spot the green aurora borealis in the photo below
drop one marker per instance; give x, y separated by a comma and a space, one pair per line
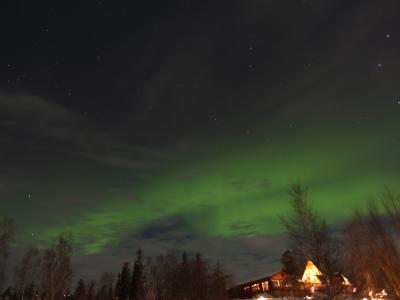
238, 187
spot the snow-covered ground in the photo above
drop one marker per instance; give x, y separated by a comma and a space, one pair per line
315, 297
272, 298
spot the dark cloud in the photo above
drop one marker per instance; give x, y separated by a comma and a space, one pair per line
245, 257
46, 124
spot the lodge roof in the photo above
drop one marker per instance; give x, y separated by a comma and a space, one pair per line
275, 276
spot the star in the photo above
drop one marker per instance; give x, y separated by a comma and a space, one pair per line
380, 65
388, 35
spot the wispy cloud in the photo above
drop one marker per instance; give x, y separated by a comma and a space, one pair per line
245, 257
37, 119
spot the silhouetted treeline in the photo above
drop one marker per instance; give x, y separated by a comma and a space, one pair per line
168, 277
163, 278
47, 275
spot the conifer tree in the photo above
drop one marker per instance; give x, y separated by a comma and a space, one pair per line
30, 292
80, 291
6, 235
199, 277
183, 290
110, 293
137, 291
91, 290
219, 283
125, 282
118, 286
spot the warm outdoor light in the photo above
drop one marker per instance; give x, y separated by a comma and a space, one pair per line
310, 275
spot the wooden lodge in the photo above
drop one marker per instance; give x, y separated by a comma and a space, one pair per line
275, 285
278, 285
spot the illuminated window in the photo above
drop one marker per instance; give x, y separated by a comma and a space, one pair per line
265, 286
255, 287
276, 282
247, 289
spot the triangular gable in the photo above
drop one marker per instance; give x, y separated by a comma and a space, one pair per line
311, 274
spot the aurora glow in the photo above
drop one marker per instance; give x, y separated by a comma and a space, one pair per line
241, 188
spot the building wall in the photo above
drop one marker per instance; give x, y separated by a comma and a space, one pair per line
271, 285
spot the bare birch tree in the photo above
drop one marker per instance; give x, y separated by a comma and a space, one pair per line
372, 250
6, 235
391, 203
56, 269
28, 271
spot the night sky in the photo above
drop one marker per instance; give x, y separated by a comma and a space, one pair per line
177, 125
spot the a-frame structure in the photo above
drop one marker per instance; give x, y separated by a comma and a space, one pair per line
311, 276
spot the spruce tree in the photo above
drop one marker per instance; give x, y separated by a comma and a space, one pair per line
110, 293
118, 286
91, 290
183, 290
200, 278
218, 286
80, 291
137, 291
30, 292
125, 282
